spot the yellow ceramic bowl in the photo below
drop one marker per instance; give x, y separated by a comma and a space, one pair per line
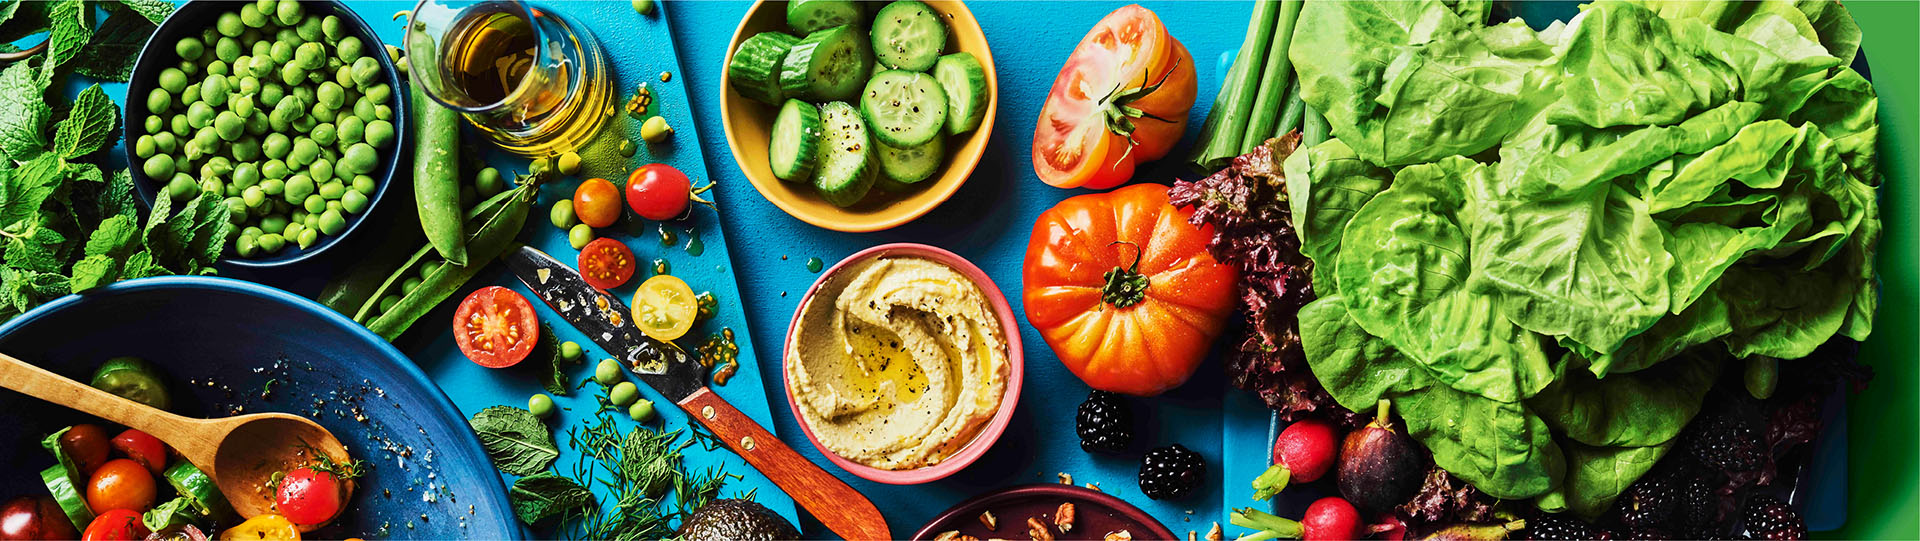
747, 123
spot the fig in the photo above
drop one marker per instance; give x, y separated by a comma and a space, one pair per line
1380, 466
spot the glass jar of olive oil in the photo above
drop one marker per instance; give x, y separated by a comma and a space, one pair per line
531, 80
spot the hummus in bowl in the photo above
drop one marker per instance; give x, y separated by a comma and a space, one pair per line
902, 363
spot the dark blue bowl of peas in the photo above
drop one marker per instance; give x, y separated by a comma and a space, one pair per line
288, 112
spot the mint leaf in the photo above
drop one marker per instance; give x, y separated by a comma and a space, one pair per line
140, 265
113, 237
118, 199
72, 29
91, 272
87, 126
115, 46
536, 497
23, 114
25, 289
23, 191
34, 247
516, 440
208, 236
546, 354
154, 11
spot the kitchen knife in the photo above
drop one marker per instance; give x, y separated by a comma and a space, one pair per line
677, 375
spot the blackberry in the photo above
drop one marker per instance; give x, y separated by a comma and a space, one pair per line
1171, 472
1697, 509
1727, 443
1649, 534
1559, 527
1769, 518
1104, 422
1646, 504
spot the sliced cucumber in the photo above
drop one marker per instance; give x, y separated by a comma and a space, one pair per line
794, 141
912, 164
67, 492
904, 108
754, 69
908, 35
829, 65
195, 485
844, 171
965, 83
808, 16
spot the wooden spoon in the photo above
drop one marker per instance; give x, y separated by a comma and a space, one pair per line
240, 453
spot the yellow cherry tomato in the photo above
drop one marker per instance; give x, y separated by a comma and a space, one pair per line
263, 527
664, 307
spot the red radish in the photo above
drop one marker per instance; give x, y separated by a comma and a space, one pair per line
1389, 528
1331, 518
1308, 449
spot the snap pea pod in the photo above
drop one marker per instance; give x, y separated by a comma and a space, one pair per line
391, 277
436, 180
497, 226
348, 292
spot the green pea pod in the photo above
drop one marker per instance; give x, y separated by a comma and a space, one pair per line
487, 242
392, 277
436, 179
349, 291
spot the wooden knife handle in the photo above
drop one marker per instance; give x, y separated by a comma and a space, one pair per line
841, 508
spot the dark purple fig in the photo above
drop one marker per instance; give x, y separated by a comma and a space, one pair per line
1380, 466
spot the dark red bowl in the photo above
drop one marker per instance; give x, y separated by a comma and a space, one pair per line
1095, 514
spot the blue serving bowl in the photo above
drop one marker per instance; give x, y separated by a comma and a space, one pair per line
158, 54
220, 342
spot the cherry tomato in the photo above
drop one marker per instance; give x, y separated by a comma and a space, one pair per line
659, 192
664, 307
87, 444
1121, 99
309, 497
116, 525
120, 484
495, 327
596, 202
263, 528
606, 263
34, 517
142, 448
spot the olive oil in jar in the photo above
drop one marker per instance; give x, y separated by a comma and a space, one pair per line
533, 82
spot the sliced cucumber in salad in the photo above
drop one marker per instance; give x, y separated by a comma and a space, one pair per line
754, 70
795, 139
904, 108
829, 65
910, 165
809, 16
965, 83
908, 35
845, 164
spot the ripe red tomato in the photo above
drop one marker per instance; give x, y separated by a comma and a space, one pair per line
309, 497
597, 202
142, 448
116, 525
87, 444
495, 327
120, 484
1121, 99
659, 192
34, 517
606, 263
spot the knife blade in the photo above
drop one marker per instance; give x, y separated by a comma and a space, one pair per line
678, 376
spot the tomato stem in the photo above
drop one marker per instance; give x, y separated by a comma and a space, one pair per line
1125, 287
1120, 113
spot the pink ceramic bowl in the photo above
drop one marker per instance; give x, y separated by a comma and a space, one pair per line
1008, 325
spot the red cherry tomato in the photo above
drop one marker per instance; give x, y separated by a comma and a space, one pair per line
606, 263
34, 517
495, 327
659, 192
120, 484
87, 444
597, 202
142, 448
116, 525
309, 497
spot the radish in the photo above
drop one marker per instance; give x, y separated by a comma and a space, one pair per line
1329, 518
1303, 453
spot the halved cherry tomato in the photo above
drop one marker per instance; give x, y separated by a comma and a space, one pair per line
606, 263
664, 307
659, 192
87, 445
263, 528
1122, 99
120, 484
495, 327
142, 448
309, 497
116, 525
597, 202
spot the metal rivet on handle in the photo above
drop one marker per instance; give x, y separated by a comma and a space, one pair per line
746, 443
707, 412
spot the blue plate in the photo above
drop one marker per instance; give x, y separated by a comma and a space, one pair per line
221, 342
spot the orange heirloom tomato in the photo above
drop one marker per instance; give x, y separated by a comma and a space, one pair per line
1124, 289
1122, 99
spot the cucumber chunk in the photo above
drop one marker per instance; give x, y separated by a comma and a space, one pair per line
794, 141
908, 35
754, 70
904, 108
844, 170
965, 83
912, 164
808, 16
828, 65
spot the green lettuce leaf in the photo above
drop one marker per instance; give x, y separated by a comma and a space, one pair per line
1639, 409
1326, 184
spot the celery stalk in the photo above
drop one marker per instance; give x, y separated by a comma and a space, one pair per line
1275, 76
1227, 120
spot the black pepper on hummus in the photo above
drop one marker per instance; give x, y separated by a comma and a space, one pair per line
897, 363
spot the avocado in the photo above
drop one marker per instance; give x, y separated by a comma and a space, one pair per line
736, 520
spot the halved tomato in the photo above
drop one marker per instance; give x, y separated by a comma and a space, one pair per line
495, 327
142, 448
665, 307
1122, 99
606, 263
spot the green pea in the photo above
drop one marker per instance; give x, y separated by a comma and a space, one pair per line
643, 7
387, 302
294, 228
332, 27
303, 123
379, 93
177, 125
349, 48
199, 115
250, 16
308, 237
540, 405
173, 80
383, 112
353, 202
289, 12
228, 125
380, 133
236, 207
309, 29
488, 182
322, 113
642, 411
298, 188
272, 94
310, 56
143, 147
159, 166
293, 73
409, 285
189, 67
273, 223
241, 105
570, 351
181, 186
579, 236
253, 196
315, 204
246, 174
569, 163
313, 218
431, 267
273, 187
214, 89
218, 69
164, 143
281, 52
211, 184
227, 50
189, 48
331, 95
343, 76
363, 108
626, 148
607, 372
245, 246
229, 24
331, 222
155, 124
289, 36
332, 190
363, 184
276, 145
271, 243
624, 393
158, 101
351, 130
359, 159
365, 70
304, 150
258, 125
261, 48
220, 166
562, 214
322, 171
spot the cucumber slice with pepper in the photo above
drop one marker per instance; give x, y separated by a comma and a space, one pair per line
844, 170
754, 70
807, 16
904, 108
794, 141
908, 35
133, 379
828, 65
195, 485
912, 164
66, 492
965, 83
